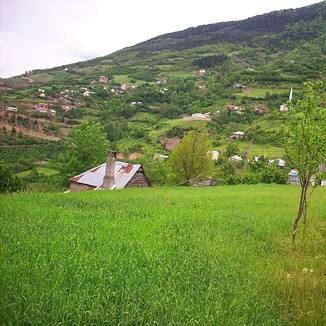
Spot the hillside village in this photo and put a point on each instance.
(147, 102)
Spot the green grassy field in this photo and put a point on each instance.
(163, 256)
(261, 92)
(40, 169)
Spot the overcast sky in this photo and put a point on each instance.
(37, 34)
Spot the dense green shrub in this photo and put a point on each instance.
(9, 182)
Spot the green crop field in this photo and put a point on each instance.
(40, 169)
(261, 92)
(163, 256)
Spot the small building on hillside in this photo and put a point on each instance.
(279, 162)
(110, 175)
(237, 135)
(11, 108)
(235, 158)
(124, 87)
(214, 155)
(44, 108)
(103, 79)
(293, 178)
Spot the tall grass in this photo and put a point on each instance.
(181, 256)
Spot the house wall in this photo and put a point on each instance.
(74, 186)
(138, 180)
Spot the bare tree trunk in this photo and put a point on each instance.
(302, 209)
(246, 160)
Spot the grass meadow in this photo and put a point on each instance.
(163, 256)
(261, 92)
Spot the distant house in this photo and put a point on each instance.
(110, 175)
(260, 109)
(234, 108)
(279, 162)
(11, 108)
(164, 81)
(124, 87)
(198, 116)
(44, 108)
(215, 155)
(103, 79)
(238, 86)
(322, 168)
(202, 72)
(236, 135)
(284, 107)
(293, 177)
(66, 108)
(235, 158)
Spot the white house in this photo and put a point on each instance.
(11, 108)
(215, 155)
(279, 162)
(238, 134)
(235, 158)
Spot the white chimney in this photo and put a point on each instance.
(108, 180)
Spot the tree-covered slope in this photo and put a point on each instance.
(269, 24)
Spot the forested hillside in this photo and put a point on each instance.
(221, 78)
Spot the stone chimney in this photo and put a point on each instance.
(109, 180)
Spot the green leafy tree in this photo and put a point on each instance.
(157, 170)
(305, 142)
(9, 182)
(189, 161)
(232, 148)
(86, 147)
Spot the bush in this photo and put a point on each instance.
(9, 182)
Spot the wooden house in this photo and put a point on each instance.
(110, 175)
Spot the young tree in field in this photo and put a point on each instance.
(86, 147)
(190, 161)
(305, 142)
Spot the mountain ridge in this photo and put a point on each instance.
(218, 31)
